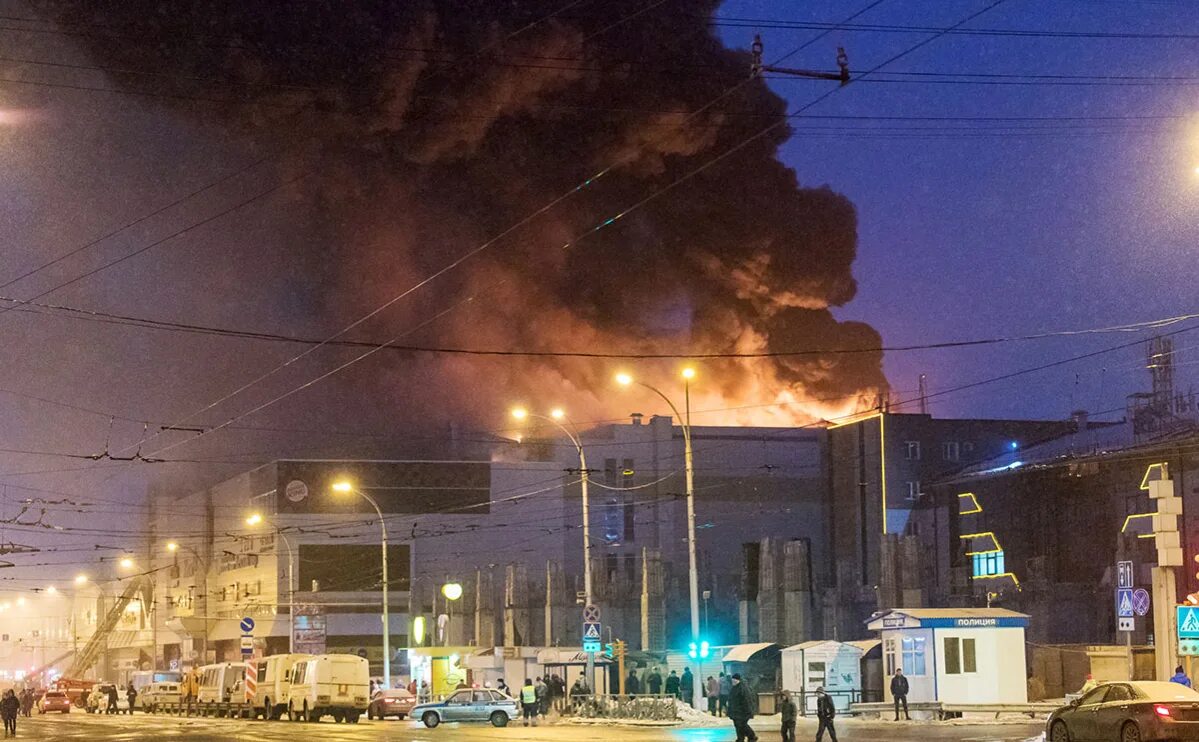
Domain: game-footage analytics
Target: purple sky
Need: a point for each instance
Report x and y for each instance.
(969, 234)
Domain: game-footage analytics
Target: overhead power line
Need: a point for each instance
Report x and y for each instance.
(60, 310)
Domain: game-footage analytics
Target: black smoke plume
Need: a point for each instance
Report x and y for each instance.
(418, 130)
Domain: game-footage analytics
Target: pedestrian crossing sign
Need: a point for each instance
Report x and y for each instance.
(591, 631)
(1124, 603)
(1188, 622)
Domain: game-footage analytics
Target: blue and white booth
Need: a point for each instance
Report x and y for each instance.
(955, 655)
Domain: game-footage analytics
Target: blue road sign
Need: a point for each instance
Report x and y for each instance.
(1124, 607)
(1124, 574)
(247, 625)
(1140, 601)
(591, 631)
(591, 645)
(1188, 622)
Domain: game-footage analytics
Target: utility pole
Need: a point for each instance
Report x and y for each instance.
(757, 68)
(1169, 556)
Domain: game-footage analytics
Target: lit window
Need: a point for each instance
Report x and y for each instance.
(989, 564)
(912, 450)
(912, 648)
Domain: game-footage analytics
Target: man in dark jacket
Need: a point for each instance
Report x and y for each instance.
(653, 682)
(672, 684)
(687, 686)
(787, 714)
(825, 712)
(632, 685)
(899, 690)
(741, 710)
(9, 708)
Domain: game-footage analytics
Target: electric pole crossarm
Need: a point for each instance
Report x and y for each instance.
(757, 68)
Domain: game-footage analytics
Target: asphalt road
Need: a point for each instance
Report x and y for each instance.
(77, 726)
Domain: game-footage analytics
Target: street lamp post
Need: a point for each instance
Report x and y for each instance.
(556, 418)
(688, 374)
(254, 520)
(344, 486)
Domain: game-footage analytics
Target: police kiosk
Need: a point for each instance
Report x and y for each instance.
(955, 655)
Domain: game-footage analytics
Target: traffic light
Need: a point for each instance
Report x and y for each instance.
(698, 651)
(609, 650)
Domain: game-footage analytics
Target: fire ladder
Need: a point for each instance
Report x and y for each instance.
(99, 639)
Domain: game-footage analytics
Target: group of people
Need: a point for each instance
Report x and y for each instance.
(652, 683)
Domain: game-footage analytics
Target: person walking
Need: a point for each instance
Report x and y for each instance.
(10, 706)
(787, 713)
(672, 684)
(578, 693)
(899, 690)
(653, 682)
(112, 700)
(528, 702)
(131, 694)
(713, 693)
(741, 710)
(1180, 677)
(542, 692)
(687, 686)
(826, 711)
(26, 700)
(726, 688)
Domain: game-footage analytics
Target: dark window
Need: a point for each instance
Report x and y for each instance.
(911, 450)
(630, 517)
(352, 567)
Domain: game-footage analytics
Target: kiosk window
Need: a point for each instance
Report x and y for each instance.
(912, 648)
(959, 656)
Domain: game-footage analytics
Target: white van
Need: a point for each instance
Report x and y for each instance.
(336, 685)
(222, 683)
(155, 695)
(274, 683)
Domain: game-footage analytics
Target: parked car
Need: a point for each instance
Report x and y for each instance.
(397, 702)
(1135, 711)
(480, 704)
(54, 700)
(97, 702)
(274, 683)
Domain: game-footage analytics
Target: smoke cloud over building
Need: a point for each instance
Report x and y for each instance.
(414, 132)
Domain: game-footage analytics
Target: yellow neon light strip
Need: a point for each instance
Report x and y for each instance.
(996, 577)
(855, 421)
(1145, 479)
(1130, 518)
(974, 500)
(988, 551)
(985, 534)
(882, 447)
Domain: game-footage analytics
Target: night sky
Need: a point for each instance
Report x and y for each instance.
(993, 232)
(966, 228)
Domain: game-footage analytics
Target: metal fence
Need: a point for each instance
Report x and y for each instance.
(639, 707)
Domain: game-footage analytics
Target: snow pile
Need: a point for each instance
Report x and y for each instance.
(695, 718)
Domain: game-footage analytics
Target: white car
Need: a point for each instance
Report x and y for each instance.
(157, 694)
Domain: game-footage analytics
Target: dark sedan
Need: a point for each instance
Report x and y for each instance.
(396, 702)
(1137, 711)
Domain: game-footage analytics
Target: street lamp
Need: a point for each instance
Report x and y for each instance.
(688, 374)
(452, 591)
(344, 486)
(80, 579)
(126, 563)
(255, 519)
(557, 418)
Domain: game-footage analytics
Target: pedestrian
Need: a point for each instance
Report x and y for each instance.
(672, 684)
(653, 682)
(713, 691)
(502, 687)
(687, 686)
(787, 714)
(10, 706)
(558, 691)
(83, 695)
(1180, 677)
(131, 694)
(27, 702)
(112, 700)
(542, 691)
(726, 687)
(528, 702)
(412, 686)
(899, 690)
(578, 693)
(826, 711)
(632, 685)
(741, 710)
